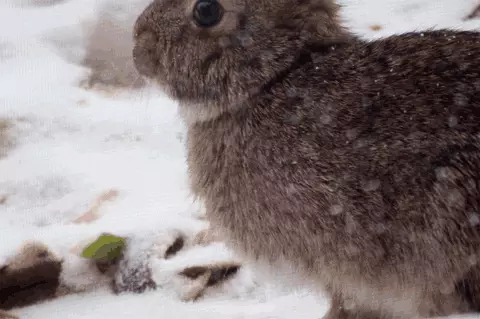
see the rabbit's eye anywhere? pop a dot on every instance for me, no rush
(207, 13)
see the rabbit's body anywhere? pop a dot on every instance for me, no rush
(373, 192)
(357, 163)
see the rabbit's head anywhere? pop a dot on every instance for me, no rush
(212, 55)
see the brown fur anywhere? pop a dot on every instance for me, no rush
(226, 65)
(355, 162)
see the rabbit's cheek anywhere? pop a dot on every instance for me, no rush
(144, 54)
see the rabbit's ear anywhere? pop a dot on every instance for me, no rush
(318, 17)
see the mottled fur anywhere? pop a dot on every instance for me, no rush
(356, 162)
(232, 61)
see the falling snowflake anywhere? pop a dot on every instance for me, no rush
(473, 219)
(371, 185)
(336, 209)
(452, 121)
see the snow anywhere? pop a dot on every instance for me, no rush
(118, 154)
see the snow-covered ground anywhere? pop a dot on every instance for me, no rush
(115, 156)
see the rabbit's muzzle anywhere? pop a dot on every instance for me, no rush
(145, 55)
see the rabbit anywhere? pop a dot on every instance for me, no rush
(354, 162)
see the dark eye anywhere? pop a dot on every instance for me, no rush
(207, 13)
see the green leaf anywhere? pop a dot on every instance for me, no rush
(107, 247)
